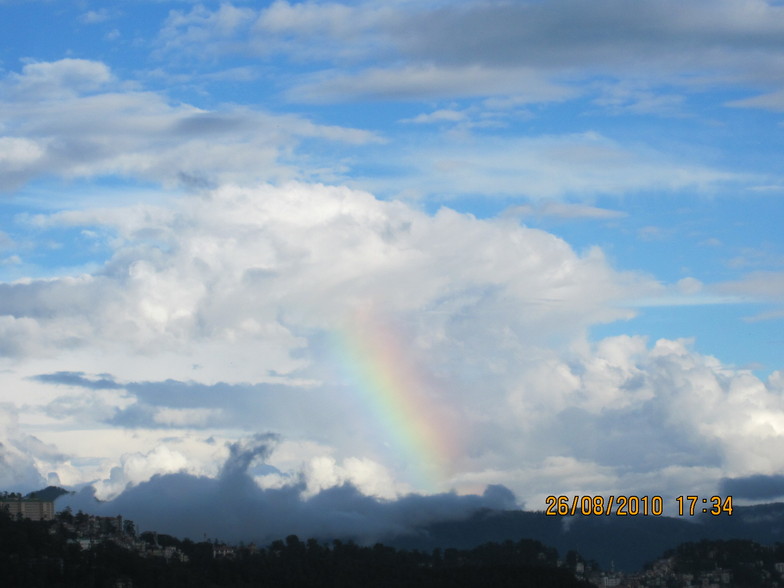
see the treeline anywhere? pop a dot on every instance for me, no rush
(751, 565)
(48, 493)
(310, 563)
(41, 553)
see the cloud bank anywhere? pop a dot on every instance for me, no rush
(204, 323)
(233, 508)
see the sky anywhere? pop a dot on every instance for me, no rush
(391, 257)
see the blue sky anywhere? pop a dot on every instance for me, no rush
(564, 209)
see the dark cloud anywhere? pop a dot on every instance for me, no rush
(210, 123)
(574, 33)
(232, 506)
(757, 487)
(235, 404)
(104, 381)
(250, 406)
(176, 394)
(658, 41)
(135, 416)
(630, 438)
(243, 454)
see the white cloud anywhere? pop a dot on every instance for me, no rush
(241, 285)
(135, 468)
(96, 16)
(368, 476)
(22, 456)
(201, 27)
(16, 154)
(758, 286)
(66, 132)
(333, 19)
(427, 82)
(548, 166)
(437, 117)
(689, 286)
(61, 126)
(209, 256)
(564, 210)
(56, 80)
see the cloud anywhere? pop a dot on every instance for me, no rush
(772, 101)
(137, 468)
(23, 456)
(97, 16)
(70, 118)
(149, 329)
(204, 27)
(547, 166)
(563, 210)
(437, 117)
(758, 286)
(61, 79)
(757, 487)
(217, 313)
(232, 507)
(197, 280)
(550, 45)
(79, 379)
(427, 82)
(567, 33)
(214, 312)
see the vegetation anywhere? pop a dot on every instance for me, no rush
(81, 550)
(749, 564)
(44, 553)
(50, 493)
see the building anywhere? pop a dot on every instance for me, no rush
(35, 510)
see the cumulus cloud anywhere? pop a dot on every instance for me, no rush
(136, 468)
(233, 508)
(22, 456)
(61, 79)
(212, 254)
(215, 313)
(209, 324)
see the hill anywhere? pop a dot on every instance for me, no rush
(627, 543)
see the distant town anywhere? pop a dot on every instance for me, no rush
(41, 547)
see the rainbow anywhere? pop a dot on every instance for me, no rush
(387, 387)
